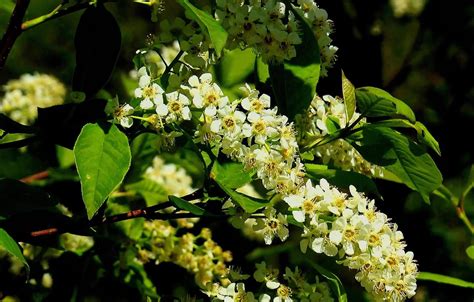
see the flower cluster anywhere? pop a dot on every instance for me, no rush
(200, 255)
(313, 124)
(24, 95)
(271, 28)
(293, 287)
(350, 226)
(249, 131)
(165, 242)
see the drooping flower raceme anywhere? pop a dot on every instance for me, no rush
(25, 95)
(334, 223)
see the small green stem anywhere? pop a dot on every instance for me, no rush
(33, 22)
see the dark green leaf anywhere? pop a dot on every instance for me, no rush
(262, 70)
(18, 197)
(334, 281)
(375, 102)
(10, 126)
(401, 156)
(144, 148)
(470, 251)
(231, 174)
(348, 92)
(10, 245)
(294, 82)
(17, 164)
(102, 159)
(235, 66)
(61, 124)
(151, 191)
(444, 279)
(208, 24)
(248, 203)
(423, 135)
(186, 205)
(97, 42)
(341, 178)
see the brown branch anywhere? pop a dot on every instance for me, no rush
(37, 176)
(13, 30)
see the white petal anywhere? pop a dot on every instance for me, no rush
(299, 216)
(186, 113)
(138, 93)
(162, 109)
(158, 88)
(193, 81)
(317, 245)
(126, 122)
(210, 111)
(144, 81)
(206, 78)
(146, 104)
(272, 284)
(245, 104)
(216, 126)
(335, 237)
(197, 101)
(294, 201)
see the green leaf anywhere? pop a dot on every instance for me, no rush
(186, 205)
(235, 66)
(10, 245)
(18, 197)
(341, 178)
(469, 183)
(444, 279)
(294, 82)
(231, 174)
(10, 126)
(332, 123)
(348, 92)
(423, 135)
(248, 203)
(263, 73)
(62, 124)
(334, 280)
(102, 159)
(375, 102)
(401, 156)
(470, 251)
(97, 41)
(150, 190)
(17, 164)
(65, 157)
(208, 24)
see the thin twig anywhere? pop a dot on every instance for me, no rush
(13, 30)
(37, 176)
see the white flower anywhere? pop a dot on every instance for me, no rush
(122, 115)
(177, 105)
(305, 201)
(148, 91)
(229, 122)
(266, 274)
(235, 292)
(272, 225)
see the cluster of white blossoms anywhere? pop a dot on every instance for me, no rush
(348, 226)
(23, 96)
(313, 124)
(174, 179)
(247, 130)
(271, 28)
(294, 287)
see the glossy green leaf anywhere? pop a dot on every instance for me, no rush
(342, 179)
(248, 203)
(401, 156)
(151, 191)
(332, 124)
(10, 245)
(186, 205)
(423, 135)
(444, 279)
(470, 251)
(348, 92)
(263, 73)
(334, 281)
(231, 174)
(18, 197)
(235, 66)
(375, 102)
(65, 157)
(294, 82)
(102, 159)
(208, 24)
(97, 41)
